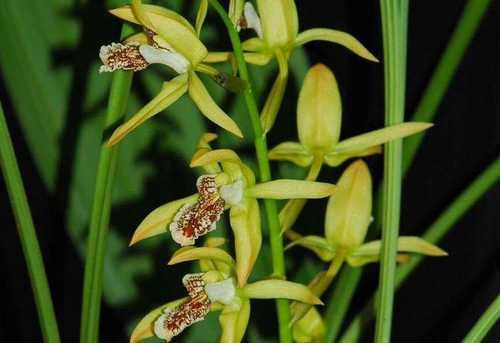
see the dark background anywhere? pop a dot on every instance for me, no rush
(444, 297)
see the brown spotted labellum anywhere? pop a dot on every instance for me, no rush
(195, 220)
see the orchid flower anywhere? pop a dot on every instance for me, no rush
(277, 28)
(319, 117)
(215, 289)
(168, 39)
(229, 184)
(348, 216)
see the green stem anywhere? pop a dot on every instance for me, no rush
(426, 111)
(27, 235)
(462, 204)
(485, 323)
(394, 22)
(101, 208)
(276, 242)
(440, 81)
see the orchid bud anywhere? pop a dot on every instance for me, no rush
(348, 214)
(319, 110)
(280, 24)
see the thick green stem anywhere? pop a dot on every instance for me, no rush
(101, 208)
(462, 204)
(276, 242)
(445, 70)
(426, 111)
(485, 323)
(394, 22)
(27, 235)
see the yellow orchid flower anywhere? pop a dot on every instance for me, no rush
(215, 289)
(229, 184)
(319, 117)
(348, 216)
(277, 28)
(171, 40)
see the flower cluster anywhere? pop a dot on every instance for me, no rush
(228, 185)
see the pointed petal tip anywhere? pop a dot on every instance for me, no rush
(132, 242)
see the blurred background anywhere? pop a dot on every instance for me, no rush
(55, 100)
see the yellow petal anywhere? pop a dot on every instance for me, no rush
(138, 38)
(207, 265)
(156, 222)
(319, 111)
(228, 158)
(293, 152)
(217, 57)
(204, 147)
(338, 37)
(195, 254)
(209, 108)
(234, 322)
(170, 93)
(253, 44)
(409, 244)
(380, 136)
(309, 329)
(317, 244)
(280, 289)
(361, 260)
(257, 58)
(214, 156)
(291, 189)
(246, 226)
(126, 13)
(349, 212)
(275, 97)
(173, 28)
(279, 22)
(201, 15)
(214, 242)
(144, 329)
(334, 160)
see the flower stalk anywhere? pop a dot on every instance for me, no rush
(27, 235)
(276, 242)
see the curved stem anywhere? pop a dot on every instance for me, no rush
(276, 242)
(27, 235)
(99, 221)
